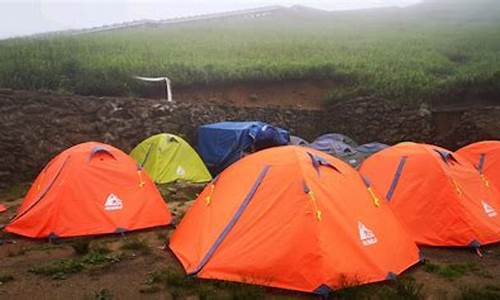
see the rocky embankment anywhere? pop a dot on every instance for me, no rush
(35, 126)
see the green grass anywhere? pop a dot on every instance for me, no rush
(473, 293)
(451, 271)
(136, 244)
(180, 285)
(81, 246)
(60, 268)
(437, 49)
(103, 294)
(404, 288)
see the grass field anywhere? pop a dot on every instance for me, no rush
(440, 48)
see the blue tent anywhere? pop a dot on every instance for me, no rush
(221, 144)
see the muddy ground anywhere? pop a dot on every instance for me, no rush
(139, 266)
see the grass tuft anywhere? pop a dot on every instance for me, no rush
(473, 293)
(138, 245)
(4, 278)
(180, 285)
(103, 294)
(59, 269)
(451, 271)
(81, 246)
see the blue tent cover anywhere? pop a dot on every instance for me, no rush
(221, 144)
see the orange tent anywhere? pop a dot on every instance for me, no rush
(437, 195)
(294, 218)
(89, 189)
(485, 156)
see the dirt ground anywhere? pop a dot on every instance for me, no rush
(138, 266)
(305, 94)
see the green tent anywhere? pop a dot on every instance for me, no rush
(168, 158)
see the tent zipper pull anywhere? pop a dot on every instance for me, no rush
(485, 181)
(457, 187)
(318, 213)
(208, 199)
(141, 182)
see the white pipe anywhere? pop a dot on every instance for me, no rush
(168, 89)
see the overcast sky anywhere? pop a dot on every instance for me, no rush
(22, 17)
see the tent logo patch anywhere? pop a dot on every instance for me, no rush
(366, 236)
(180, 171)
(490, 211)
(113, 203)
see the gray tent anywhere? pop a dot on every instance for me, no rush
(295, 140)
(338, 137)
(338, 145)
(371, 148)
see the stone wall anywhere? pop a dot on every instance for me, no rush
(36, 126)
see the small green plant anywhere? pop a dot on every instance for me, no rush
(352, 293)
(430, 267)
(176, 282)
(451, 271)
(98, 258)
(153, 282)
(59, 268)
(162, 236)
(81, 246)
(154, 277)
(177, 279)
(150, 289)
(473, 293)
(100, 248)
(246, 292)
(405, 288)
(103, 294)
(136, 244)
(494, 288)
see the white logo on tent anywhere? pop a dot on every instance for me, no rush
(180, 171)
(366, 236)
(490, 211)
(113, 203)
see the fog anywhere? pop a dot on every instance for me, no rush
(24, 17)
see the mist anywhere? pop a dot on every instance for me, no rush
(19, 18)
